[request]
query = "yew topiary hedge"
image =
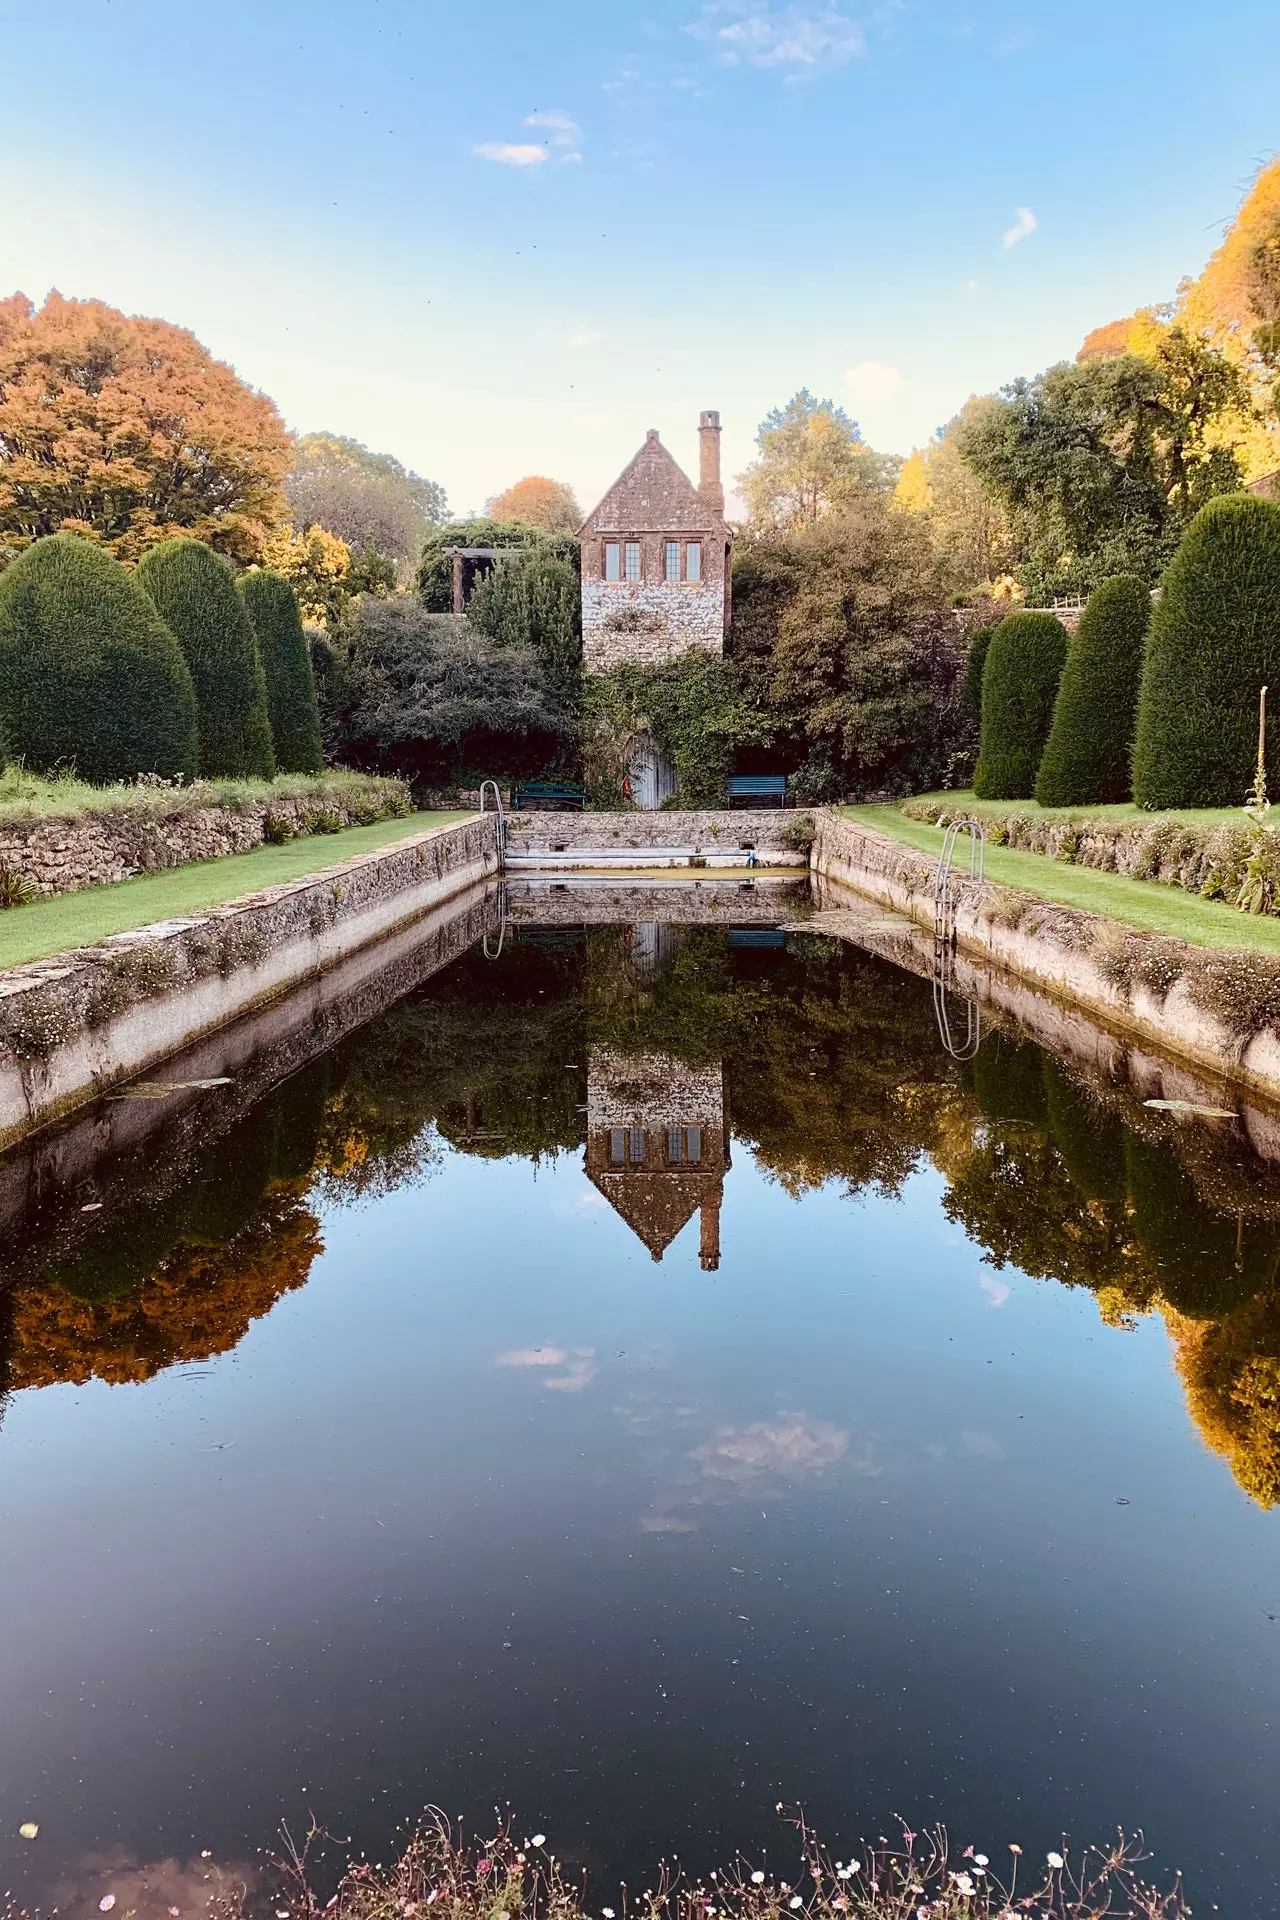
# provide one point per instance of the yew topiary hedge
(90, 675)
(286, 663)
(194, 591)
(1019, 684)
(1214, 641)
(974, 667)
(1086, 758)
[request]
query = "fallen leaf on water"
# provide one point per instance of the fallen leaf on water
(28, 1829)
(1189, 1106)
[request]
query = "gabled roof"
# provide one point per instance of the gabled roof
(653, 495)
(656, 1206)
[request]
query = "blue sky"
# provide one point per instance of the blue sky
(896, 205)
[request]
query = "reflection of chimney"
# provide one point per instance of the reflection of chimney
(710, 1224)
(709, 462)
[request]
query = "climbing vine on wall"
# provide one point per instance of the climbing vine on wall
(696, 711)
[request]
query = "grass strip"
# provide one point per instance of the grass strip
(1139, 903)
(78, 919)
(963, 798)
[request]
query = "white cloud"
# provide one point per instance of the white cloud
(997, 1290)
(873, 381)
(563, 133)
(1024, 222)
(778, 36)
(533, 1357)
(511, 153)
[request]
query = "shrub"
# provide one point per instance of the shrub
(286, 664)
(1086, 758)
(195, 593)
(971, 686)
(1019, 684)
(1214, 641)
(89, 672)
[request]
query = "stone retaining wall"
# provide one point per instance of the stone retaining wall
(62, 856)
(705, 832)
(1217, 1008)
(74, 1026)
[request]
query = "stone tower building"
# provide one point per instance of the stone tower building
(658, 1146)
(655, 560)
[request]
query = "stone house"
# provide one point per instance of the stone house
(658, 1146)
(655, 560)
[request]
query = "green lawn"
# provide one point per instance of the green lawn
(78, 919)
(1121, 810)
(1142, 903)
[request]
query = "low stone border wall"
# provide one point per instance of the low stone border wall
(1218, 1008)
(575, 902)
(76, 1025)
(729, 831)
(64, 856)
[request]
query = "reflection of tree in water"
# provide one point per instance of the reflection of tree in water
(831, 1070)
(200, 1301)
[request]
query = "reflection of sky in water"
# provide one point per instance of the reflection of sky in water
(498, 1508)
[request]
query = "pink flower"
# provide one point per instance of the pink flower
(484, 1866)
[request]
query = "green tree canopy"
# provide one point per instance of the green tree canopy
(194, 591)
(432, 698)
(1086, 758)
(1214, 641)
(367, 499)
(90, 675)
(1099, 466)
(1019, 686)
(847, 649)
(812, 459)
(535, 600)
(286, 666)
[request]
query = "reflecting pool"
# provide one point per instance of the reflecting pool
(641, 1375)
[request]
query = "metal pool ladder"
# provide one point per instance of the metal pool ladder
(502, 862)
(944, 899)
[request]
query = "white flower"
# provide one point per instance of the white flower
(796, 1902)
(963, 1881)
(539, 1840)
(981, 1860)
(757, 1879)
(106, 1903)
(1055, 1859)
(28, 1829)
(606, 1911)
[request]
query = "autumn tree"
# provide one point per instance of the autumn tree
(368, 500)
(127, 431)
(538, 502)
(969, 527)
(812, 459)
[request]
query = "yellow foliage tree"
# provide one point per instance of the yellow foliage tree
(127, 431)
(316, 563)
(970, 531)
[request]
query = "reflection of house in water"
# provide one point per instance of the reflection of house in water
(657, 1145)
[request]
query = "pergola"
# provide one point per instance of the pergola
(475, 553)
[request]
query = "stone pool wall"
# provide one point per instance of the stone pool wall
(1217, 1008)
(74, 1026)
(726, 831)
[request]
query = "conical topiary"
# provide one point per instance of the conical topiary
(1214, 640)
(1086, 758)
(286, 662)
(90, 675)
(971, 687)
(195, 593)
(1019, 684)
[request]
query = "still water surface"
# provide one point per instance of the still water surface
(610, 1382)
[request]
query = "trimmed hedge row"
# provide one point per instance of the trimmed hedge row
(195, 594)
(1019, 685)
(115, 674)
(90, 674)
(1086, 757)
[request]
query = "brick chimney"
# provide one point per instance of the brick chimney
(709, 1232)
(709, 461)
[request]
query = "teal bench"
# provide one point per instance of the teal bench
(531, 795)
(757, 789)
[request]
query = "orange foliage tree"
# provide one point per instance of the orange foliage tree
(538, 502)
(128, 431)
